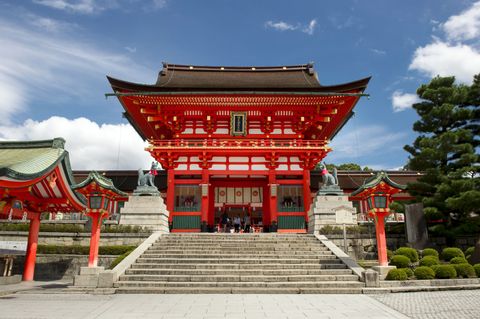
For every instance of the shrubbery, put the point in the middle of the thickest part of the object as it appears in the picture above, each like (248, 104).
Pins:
(424, 272)
(464, 270)
(477, 269)
(430, 252)
(400, 261)
(71, 228)
(390, 254)
(469, 250)
(408, 252)
(429, 261)
(397, 274)
(444, 271)
(408, 271)
(458, 260)
(451, 252)
(82, 250)
(119, 259)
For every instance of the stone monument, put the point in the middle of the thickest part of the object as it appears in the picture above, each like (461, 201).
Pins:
(145, 207)
(330, 206)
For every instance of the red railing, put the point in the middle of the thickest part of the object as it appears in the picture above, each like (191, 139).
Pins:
(239, 143)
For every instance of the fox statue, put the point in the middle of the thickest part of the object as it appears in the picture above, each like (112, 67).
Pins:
(327, 178)
(145, 179)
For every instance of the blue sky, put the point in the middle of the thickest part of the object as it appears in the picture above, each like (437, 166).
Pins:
(54, 56)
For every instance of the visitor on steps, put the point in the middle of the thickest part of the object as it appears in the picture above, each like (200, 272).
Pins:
(224, 221)
(236, 223)
(247, 223)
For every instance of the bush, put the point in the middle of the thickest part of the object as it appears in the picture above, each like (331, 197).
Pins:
(430, 252)
(458, 260)
(331, 230)
(82, 250)
(452, 252)
(424, 272)
(469, 251)
(465, 270)
(432, 214)
(408, 271)
(390, 254)
(477, 269)
(400, 261)
(119, 259)
(429, 261)
(408, 252)
(444, 271)
(396, 274)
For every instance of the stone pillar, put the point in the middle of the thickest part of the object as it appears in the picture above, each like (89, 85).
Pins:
(31, 255)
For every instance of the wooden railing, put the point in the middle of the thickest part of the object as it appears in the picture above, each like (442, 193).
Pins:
(238, 143)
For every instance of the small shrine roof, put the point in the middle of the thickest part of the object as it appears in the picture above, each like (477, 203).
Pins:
(31, 159)
(177, 77)
(373, 181)
(102, 181)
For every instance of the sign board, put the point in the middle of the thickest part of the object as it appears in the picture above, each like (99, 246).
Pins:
(343, 216)
(13, 246)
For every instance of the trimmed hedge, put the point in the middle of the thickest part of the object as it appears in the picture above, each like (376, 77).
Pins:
(469, 250)
(429, 261)
(444, 271)
(396, 274)
(83, 250)
(465, 270)
(424, 272)
(430, 252)
(390, 254)
(477, 269)
(458, 260)
(70, 228)
(451, 252)
(408, 271)
(117, 260)
(408, 252)
(400, 261)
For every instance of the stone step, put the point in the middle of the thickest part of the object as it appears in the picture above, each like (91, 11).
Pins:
(245, 254)
(237, 272)
(236, 249)
(241, 290)
(265, 266)
(234, 278)
(318, 260)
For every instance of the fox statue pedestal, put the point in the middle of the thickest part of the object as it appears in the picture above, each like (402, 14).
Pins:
(145, 211)
(330, 210)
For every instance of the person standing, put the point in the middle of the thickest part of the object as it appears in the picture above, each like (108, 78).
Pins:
(247, 223)
(236, 223)
(224, 221)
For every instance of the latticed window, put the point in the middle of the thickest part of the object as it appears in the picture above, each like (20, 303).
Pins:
(187, 198)
(290, 198)
(238, 124)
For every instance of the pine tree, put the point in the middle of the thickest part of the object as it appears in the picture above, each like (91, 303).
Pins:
(446, 150)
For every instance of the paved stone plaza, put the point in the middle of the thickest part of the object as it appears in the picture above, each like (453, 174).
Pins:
(454, 304)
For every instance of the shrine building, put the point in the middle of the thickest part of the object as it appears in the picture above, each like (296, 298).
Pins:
(238, 140)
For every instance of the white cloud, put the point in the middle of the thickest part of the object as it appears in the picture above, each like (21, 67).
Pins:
(378, 52)
(444, 59)
(402, 101)
(130, 49)
(91, 146)
(45, 65)
(284, 26)
(76, 6)
(465, 26)
(353, 143)
(280, 26)
(158, 4)
(310, 28)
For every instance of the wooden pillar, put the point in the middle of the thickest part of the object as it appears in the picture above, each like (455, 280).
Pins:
(170, 192)
(95, 238)
(381, 238)
(31, 255)
(272, 182)
(205, 191)
(306, 192)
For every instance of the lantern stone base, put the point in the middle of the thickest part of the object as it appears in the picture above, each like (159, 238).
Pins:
(88, 277)
(145, 211)
(330, 210)
(383, 271)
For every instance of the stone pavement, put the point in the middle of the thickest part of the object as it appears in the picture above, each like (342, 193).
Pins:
(459, 304)
(73, 306)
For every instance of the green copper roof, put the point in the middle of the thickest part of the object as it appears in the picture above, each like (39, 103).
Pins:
(100, 180)
(27, 160)
(375, 180)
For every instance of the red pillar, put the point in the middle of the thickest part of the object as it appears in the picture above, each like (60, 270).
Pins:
(94, 239)
(272, 181)
(306, 192)
(170, 192)
(31, 256)
(381, 238)
(205, 201)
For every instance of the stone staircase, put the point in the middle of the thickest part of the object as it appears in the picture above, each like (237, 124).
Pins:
(238, 263)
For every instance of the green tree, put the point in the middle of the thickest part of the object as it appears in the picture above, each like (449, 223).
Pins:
(349, 167)
(446, 150)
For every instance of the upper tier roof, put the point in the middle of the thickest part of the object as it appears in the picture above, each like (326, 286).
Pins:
(177, 77)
